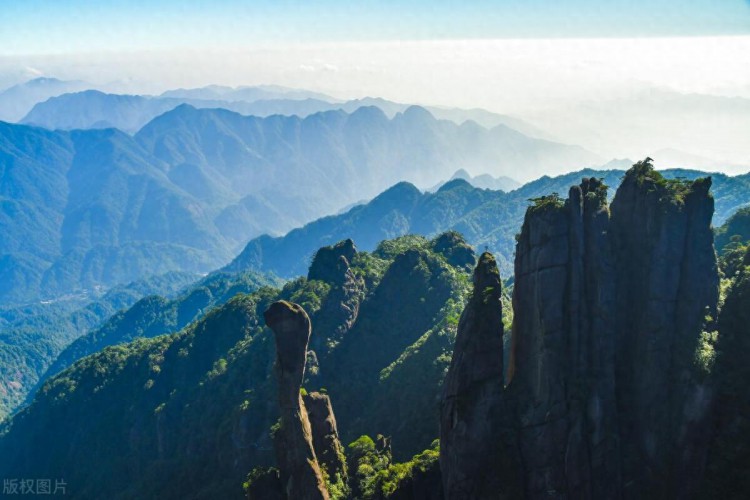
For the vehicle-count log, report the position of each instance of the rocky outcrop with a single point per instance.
(301, 476)
(473, 407)
(330, 263)
(605, 397)
(325, 435)
(340, 311)
(552, 431)
(454, 248)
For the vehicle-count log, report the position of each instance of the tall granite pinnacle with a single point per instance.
(604, 397)
(301, 476)
(472, 407)
(667, 285)
(562, 371)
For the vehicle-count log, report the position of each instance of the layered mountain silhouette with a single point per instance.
(17, 101)
(99, 207)
(486, 181)
(488, 219)
(96, 109)
(247, 93)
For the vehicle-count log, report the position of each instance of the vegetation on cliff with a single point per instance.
(196, 406)
(729, 456)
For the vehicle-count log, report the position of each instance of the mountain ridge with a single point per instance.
(95, 109)
(488, 219)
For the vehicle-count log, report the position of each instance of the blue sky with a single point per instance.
(70, 26)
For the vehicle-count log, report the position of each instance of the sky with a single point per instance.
(519, 57)
(73, 26)
(394, 49)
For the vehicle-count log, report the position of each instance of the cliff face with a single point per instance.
(603, 396)
(562, 374)
(327, 265)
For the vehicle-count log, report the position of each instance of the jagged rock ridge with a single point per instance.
(604, 396)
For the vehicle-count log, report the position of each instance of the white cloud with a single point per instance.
(32, 72)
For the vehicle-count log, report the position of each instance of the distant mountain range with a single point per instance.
(16, 101)
(686, 130)
(67, 105)
(247, 93)
(488, 219)
(100, 207)
(95, 109)
(484, 181)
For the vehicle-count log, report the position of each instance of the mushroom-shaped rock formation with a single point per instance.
(301, 477)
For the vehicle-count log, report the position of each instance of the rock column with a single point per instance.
(476, 459)
(301, 477)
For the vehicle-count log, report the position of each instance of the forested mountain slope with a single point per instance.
(99, 207)
(196, 406)
(488, 219)
(31, 337)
